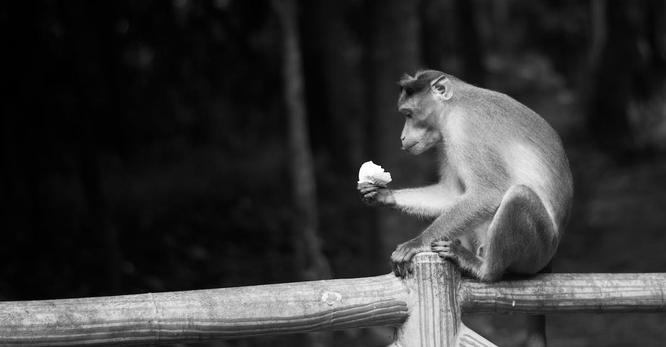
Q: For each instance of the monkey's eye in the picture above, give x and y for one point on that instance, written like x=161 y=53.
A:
x=407 y=115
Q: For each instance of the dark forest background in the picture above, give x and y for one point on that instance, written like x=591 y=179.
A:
x=176 y=145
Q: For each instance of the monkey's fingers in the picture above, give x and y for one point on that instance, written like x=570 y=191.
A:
x=370 y=199
x=444 y=251
x=395 y=267
x=366 y=190
x=365 y=185
x=370 y=195
x=408 y=268
x=411 y=252
x=441 y=248
x=399 y=255
x=401 y=269
x=396 y=263
x=395 y=258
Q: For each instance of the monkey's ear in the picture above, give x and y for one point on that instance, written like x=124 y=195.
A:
x=442 y=88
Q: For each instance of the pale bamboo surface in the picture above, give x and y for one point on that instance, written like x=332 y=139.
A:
x=426 y=307
x=206 y=314
x=568 y=293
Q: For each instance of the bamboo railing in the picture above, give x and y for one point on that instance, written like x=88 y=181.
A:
x=425 y=308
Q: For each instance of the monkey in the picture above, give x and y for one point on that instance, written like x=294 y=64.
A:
x=505 y=187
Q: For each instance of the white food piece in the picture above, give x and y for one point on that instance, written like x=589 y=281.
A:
x=373 y=173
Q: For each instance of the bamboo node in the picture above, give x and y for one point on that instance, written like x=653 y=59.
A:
x=331 y=298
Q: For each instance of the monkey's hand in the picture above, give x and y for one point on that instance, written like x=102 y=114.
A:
x=454 y=250
x=375 y=195
x=401 y=259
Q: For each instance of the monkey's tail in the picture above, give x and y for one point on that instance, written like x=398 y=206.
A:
x=536 y=331
x=536 y=325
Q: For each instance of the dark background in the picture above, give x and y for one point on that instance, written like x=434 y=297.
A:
x=145 y=144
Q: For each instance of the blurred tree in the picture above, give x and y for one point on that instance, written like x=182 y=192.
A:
x=309 y=257
x=451 y=40
x=333 y=54
x=393 y=48
x=310 y=260
x=469 y=45
x=438 y=29
x=333 y=64
x=611 y=80
x=626 y=74
x=647 y=110
x=95 y=111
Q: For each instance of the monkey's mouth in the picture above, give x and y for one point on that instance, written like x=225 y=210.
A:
x=408 y=147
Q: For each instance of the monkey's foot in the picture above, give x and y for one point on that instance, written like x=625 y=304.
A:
x=401 y=259
x=454 y=251
x=402 y=269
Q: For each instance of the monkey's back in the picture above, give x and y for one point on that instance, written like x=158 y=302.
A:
x=530 y=149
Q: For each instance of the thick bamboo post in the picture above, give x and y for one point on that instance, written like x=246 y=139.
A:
x=434 y=317
x=567 y=293
x=206 y=314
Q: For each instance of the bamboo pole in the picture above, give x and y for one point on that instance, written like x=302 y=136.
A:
x=206 y=314
x=434 y=317
x=567 y=293
x=426 y=307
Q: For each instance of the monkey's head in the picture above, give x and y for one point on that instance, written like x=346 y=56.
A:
x=424 y=100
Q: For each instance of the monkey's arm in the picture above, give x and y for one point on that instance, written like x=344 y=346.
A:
x=465 y=211
x=455 y=219
x=429 y=201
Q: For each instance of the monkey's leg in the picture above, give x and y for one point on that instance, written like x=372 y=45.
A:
x=520 y=238
x=455 y=220
x=454 y=250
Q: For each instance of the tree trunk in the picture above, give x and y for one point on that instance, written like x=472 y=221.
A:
x=469 y=42
x=438 y=35
x=598 y=30
x=310 y=260
x=336 y=57
x=333 y=63
x=613 y=76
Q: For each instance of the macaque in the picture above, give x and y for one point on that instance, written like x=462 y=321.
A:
x=505 y=188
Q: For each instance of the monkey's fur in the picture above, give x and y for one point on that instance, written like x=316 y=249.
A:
x=505 y=186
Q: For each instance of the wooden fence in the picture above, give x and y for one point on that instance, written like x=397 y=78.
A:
x=425 y=308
